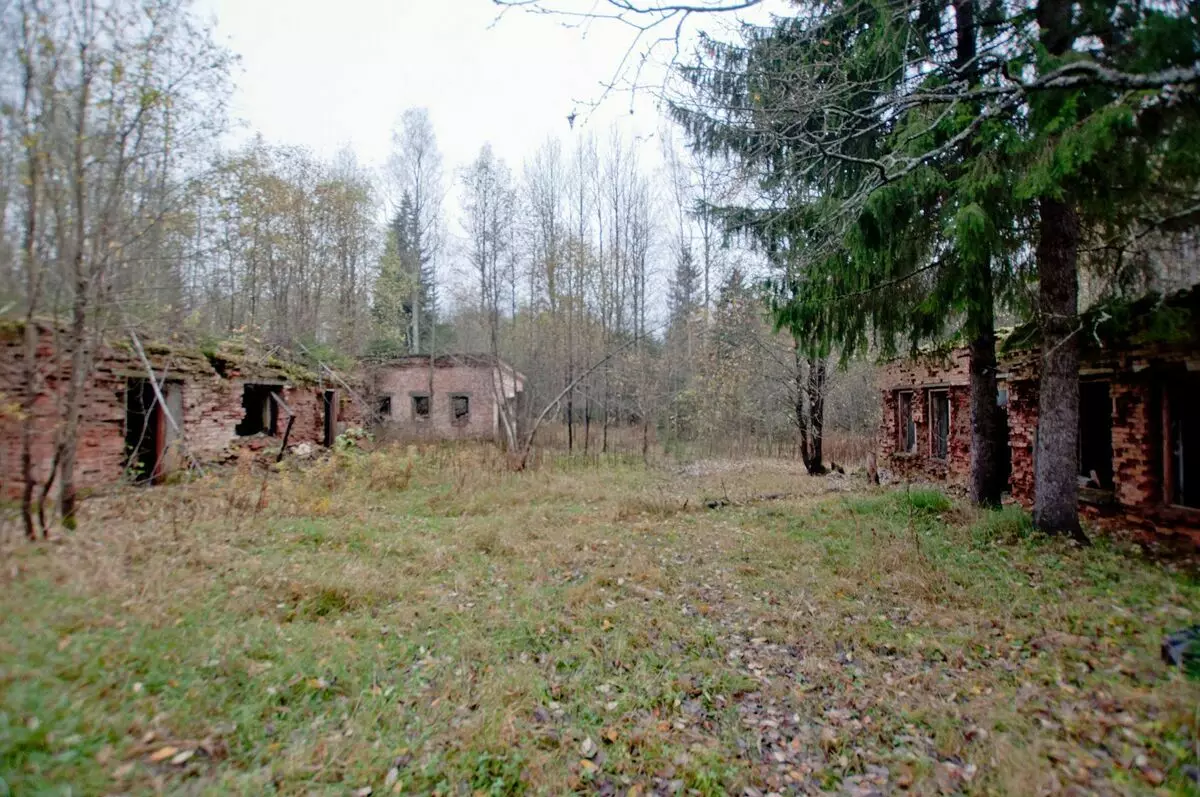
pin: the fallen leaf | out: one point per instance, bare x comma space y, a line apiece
610, 735
588, 748
183, 758
163, 753
1154, 777
393, 775
587, 766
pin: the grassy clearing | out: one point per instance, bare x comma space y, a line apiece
427, 622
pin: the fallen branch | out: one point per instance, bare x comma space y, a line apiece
162, 402
721, 503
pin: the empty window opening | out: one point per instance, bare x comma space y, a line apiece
1095, 436
149, 438
460, 410
420, 407
906, 427
262, 411
384, 408
939, 424
1184, 442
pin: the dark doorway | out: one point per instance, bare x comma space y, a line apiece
143, 430
150, 441
1095, 435
262, 412
1184, 441
330, 402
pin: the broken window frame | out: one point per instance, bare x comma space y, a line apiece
414, 403
148, 456
1175, 414
1090, 439
939, 438
457, 418
383, 406
270, 424
906, 425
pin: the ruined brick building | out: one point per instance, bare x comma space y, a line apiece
447, 397
213, 400
1139, 411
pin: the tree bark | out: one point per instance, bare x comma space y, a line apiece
1056, 458
33, 280
987, 482
79, 312
813, 460
1056, 461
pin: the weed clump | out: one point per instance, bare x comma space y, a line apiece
1007, 525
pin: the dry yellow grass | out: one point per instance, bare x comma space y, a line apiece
424, 620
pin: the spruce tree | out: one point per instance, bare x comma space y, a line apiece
904, 154
684, 288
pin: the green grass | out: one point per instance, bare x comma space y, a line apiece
427, 622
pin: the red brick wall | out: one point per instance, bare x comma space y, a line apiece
1136, 445
212, 408
1022, 433
401, 381
949, 372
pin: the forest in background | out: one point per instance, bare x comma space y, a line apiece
858, 180
123, 211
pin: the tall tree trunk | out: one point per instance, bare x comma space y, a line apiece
70, 439
1056, 479
79, 313
814, 458
987, 482
33, 281
1056, 462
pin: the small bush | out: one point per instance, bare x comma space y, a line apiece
387, 472
321, 602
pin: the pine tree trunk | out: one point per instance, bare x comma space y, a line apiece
987, 482
1056, 463
816, 416
1056, 458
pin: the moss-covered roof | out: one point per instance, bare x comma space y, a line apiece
231, 358
1153, 320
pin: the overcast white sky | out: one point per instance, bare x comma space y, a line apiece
323, 74
329, 73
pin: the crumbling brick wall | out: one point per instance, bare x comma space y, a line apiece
1022, 434
918, 376
211, 407
403, 380
1136, 445
1135, 378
